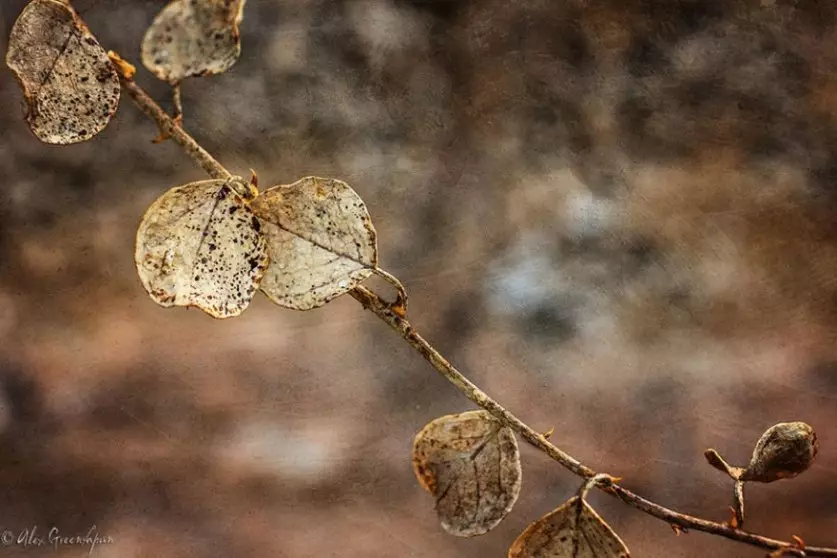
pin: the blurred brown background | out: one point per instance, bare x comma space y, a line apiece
618, 217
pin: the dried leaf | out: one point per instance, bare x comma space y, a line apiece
470, 463
320, 239
200, 245
193, 38
574, 530
69, 83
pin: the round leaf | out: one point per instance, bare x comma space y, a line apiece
193, 38
574, 530
69, 83
320, 239
471, 465
200, 245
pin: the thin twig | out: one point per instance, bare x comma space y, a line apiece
374, 303
393, 316
169, 128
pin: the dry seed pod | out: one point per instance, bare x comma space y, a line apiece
470, 464
200, 245
783, 451
193, 38
320, 239
70, 85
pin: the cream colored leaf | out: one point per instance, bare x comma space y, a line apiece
320, 239
70, 85
574, 530
200, 245
193, 38
471, 465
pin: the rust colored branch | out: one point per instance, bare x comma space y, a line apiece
375, 304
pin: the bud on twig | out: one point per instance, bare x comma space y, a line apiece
782, 452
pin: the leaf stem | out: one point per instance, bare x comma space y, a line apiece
378, 306
177, 101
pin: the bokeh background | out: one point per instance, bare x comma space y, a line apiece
618, 217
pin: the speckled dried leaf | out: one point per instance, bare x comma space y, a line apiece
193, 38
574, 530
320, 239
200, 245
70, 85
471, 465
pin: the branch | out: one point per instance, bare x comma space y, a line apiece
393, 315
374, 303
169, 127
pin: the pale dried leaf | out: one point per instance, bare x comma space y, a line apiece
193, 38
70, 85
471, 465
320, 239
200, 245
574, 530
